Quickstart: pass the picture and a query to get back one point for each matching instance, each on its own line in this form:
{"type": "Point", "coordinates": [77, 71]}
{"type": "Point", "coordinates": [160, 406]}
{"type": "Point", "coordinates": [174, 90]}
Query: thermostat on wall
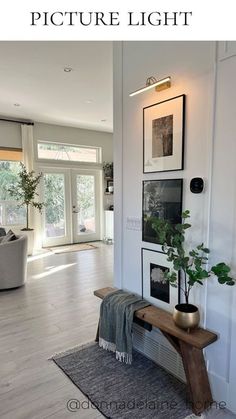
{"type": "Point", "coordinates": [196, 185]}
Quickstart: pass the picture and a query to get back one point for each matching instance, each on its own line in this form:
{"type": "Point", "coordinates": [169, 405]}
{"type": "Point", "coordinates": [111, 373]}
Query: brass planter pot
{"type": "Point", "coordinates": [186, 316]}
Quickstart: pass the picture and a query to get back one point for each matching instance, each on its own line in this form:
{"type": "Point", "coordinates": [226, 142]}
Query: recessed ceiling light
{"type": "Point", "coordinates": [68, 69]}
{"type": "Point", "coordinates": [88, 101]}
{"type": "Point", "coordinates": [17, 104]}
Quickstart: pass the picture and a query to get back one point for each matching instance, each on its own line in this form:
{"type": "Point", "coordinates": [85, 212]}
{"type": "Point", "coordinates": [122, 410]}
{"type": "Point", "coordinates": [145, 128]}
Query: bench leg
{"type": "Point", "coordinates": [97, 334]}
{"type": "Point", "coordinates": [197, 377]}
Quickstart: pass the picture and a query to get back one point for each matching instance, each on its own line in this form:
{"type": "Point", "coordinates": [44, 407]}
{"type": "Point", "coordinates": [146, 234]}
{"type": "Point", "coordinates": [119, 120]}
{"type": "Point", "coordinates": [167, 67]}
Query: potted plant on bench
{"type": "Point", "coordinates": [191, 264]}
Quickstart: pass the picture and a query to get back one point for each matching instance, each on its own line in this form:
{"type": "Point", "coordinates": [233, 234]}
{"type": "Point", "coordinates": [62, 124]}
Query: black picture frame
{"type": "Point", "coordinates": [161, 199]}
{"type": "Point", "coordinates": [158, 293]}
{"type": "Point", "coordinates": [164, 120]}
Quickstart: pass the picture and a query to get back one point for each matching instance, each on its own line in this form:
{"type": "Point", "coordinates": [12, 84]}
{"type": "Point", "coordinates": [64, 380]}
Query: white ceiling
{"type": "Point", "coordinates": [32, 75]}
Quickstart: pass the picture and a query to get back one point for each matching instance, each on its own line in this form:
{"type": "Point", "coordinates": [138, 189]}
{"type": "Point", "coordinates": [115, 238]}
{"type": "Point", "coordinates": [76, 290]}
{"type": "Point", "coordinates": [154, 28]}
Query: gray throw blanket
{"type": "Point", "coordinates": [115, 324]}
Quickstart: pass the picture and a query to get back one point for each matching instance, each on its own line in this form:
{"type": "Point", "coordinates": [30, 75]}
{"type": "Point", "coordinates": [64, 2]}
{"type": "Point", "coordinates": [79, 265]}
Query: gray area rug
{"type": "Point", "coordinates": [137, 391]}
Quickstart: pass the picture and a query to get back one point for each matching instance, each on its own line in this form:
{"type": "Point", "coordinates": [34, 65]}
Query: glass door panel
{"type": "Point", "coordinates": [54, 198]}
{"type": "Point", "coordinates": [85, 185]}
{"type": "Point", "coordinates": [72, 206]}
{"type": "Point", "coordinates": [56, 223]}
{"type": "Point", "coordinates": [85, 197]}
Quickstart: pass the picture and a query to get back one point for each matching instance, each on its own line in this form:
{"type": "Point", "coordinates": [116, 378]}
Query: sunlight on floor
{"type": "Point", "coordinates": [39, 256]}
{"type": "Point", "coordinates": [52, 270]}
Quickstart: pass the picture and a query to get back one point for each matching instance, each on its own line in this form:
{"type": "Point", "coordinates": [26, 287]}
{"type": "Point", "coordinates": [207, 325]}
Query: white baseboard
{"type": "Point", "coordinates": [219, 388]}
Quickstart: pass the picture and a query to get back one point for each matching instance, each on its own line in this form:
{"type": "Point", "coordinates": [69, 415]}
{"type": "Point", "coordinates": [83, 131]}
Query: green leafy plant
{"type": "Point", "coordinates": [25, 191]}
{"type": "Point", "coordinates": [192, 264]}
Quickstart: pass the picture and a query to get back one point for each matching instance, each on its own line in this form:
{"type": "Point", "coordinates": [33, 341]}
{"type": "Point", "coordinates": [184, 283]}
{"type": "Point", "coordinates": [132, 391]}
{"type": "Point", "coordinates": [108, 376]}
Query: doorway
{"type": "Point", "coordinates": [72, 211]}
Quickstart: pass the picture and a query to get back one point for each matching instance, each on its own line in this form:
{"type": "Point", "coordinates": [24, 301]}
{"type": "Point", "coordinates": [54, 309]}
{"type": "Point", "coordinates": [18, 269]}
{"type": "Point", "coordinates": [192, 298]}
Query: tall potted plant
{"type": "Point", "coordinates": [25, 191]}
{"type": "Point", "coordinates": [191, 264]}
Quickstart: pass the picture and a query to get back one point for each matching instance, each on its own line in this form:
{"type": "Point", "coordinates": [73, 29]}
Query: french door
{"type": "Point", "coordinates": [72, 206]}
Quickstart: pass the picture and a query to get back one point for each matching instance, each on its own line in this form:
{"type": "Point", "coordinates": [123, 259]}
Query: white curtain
{"type": "Point", "coordinates": [27, 133]}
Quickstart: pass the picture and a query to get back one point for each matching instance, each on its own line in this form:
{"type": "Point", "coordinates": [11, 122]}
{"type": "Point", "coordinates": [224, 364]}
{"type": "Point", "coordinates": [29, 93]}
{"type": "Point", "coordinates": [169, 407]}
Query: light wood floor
{"type": "Point", "coordinates": [54, 311]}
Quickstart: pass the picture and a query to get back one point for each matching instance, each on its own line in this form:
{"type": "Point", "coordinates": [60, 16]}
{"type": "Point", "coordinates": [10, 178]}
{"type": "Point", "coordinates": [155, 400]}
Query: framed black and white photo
{"type": "Point", "coordinates": [163, 135]}
{"type": "Point", "coordinates": [155, 288]}
{"type": "Point", "coordinates": [162, 199]}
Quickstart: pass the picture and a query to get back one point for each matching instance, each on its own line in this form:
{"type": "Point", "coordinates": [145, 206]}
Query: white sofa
{"type": "Point", "coordinates": [13, 263]}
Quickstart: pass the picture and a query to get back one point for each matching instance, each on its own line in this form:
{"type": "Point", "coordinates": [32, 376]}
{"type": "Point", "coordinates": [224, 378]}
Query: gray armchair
{"type": "Point", "coordinates": [13, 263]}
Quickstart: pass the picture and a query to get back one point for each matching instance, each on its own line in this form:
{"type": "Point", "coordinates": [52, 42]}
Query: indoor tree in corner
{"type": "Point", "coordinates": [25, 192]}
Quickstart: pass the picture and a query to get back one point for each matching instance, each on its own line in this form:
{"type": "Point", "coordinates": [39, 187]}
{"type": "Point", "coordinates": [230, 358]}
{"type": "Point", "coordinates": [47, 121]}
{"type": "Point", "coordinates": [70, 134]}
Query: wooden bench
{"type": "Point", "coordinates": [188, 345]}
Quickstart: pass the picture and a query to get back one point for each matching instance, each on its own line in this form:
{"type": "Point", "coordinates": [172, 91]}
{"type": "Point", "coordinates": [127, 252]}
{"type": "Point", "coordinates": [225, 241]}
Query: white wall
{"type": "Point", "coordinates": [10, 135]}
{"type": "Point", "coordinates": [221, 301]}
{"type": "Point", "coordinates": [48, 132]}
{"type": "Point", "coordinates": [70, 135]}
{"type": "Point", "coordinates": [192, 66]}
{"type": "Point", "coordinates": [118, 160]}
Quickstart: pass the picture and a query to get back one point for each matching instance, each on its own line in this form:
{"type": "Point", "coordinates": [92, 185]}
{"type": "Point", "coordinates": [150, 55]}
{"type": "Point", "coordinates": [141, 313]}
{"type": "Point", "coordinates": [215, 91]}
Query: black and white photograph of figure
{"type": "Point", "coordinates": [162, 136]}
{"type": "Point", "coordinates": [159, 286]}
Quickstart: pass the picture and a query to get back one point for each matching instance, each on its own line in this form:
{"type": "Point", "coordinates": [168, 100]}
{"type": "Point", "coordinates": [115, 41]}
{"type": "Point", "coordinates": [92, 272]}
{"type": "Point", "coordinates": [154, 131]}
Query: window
{"type": "Point", "coordinates": [56, 151]}
{"type": "Point", "coordinates": [10, 213]}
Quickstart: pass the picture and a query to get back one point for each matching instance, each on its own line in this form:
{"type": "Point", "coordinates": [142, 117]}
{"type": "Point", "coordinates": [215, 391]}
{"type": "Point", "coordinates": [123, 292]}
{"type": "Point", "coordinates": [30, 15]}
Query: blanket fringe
{"type": "Point", "coordinates": [120, 356]}
{"type": "Point", "coordinates": [109, 346]}
{"type": "Point", "coordinates": [124, 357]}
